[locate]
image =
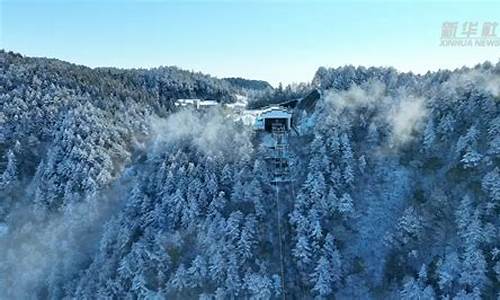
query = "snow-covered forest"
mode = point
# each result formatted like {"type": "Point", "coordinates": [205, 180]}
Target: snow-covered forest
{"type": "Point", "coordinates": [107, 191]}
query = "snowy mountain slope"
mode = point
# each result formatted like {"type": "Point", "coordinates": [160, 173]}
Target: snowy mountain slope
{"type": "Point", "coordinates": [395, 191]}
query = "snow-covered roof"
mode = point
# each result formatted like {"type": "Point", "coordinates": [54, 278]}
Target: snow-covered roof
{"type": "Point", "coordinates": [195, 102]}
{"type": "Point", "coordinates": [235, 105]}
{"type": "Point", "coordinates": [275, 112]}
{"type": "Point", "coordinates": [188, 100]}
{"type": "Point", "coordinates": [208, 103]}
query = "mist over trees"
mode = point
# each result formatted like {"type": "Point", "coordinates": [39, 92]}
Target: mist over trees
{"type": "Point", "coordinates": [108, 192]}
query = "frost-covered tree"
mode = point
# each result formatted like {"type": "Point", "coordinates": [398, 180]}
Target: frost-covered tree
{"type": "Point", "coordinates": [429, 134]}
{"type": "Point", "coordinates": [448, 273]}
{"type": "Point", "coordinates": [491, 185]}
{"type": "Point", "coordinates": [9, 184]}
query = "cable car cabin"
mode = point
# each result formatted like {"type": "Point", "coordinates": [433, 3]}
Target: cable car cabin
{"type": "Point", "coordinates": [272, 117]}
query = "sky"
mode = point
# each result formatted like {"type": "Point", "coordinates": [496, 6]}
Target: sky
{"type": "Point", "coordinates": [277, 41]}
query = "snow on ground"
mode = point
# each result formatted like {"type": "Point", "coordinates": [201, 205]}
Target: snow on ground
{"type": "Point", "coordinates": [240, 113]}
{"type": "Point", "coordinates": [237, 110]}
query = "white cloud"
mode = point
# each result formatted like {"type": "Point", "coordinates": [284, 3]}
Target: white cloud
{"type": "Point", "coordinates": [405, 118]}
{"type": "Point", "coordinates": [211, 132]}
{"type": "Point", "coordinates": [482, 79]}
{"type": "Point", "coordinates": [402, 112]}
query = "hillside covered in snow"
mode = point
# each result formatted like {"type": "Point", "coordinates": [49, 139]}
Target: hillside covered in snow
{"type": "Point", "coordinates": [110, 191]}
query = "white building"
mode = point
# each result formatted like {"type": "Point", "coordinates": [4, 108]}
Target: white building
{"type": "Point", "coordinates": [273, 115]}
{"type": "Point", "coordinates": [196, 103]}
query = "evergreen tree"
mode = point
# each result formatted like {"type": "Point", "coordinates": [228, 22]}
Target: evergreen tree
{"type": "Point", "coordinates": [322, 279]}
{"type": "Point", "coordinates": [429, 135]}
{"type": "Point", "coordinates": [9, 184]}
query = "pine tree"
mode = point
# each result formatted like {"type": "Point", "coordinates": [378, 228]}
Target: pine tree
{"type": "Point", "coordinates": [333, 257]}
{"type": "Point", "coordinates": [497, 270]}
{"type": "Point", "coordinates": [429, 134]}
{"type": "Point", "coordinates": [9, 184]}
{"type": "Point", "coordinates": [448, 271]}
{"type": "Point", "coordinates": [467, 145]}
{"type": "Point", "coordinates": [258, 286]}
{"type": "Point", "coordinates": [345, 206]}
{"type": "Point", "coordinates": [409, 229]}
{"type": "Point", "coordinates": [227, 178]}
{"type": "Point", "coordinates": [321, 278]}
{"type": "Point", "coordinates": [237, 194]}
{"type": "Point", "coordinates": [9, 176]}
{"type": "Point", "coordinates": [446, 126]}
{"type": "Point", "coordinates": [198, 272]}
{"type": "Point", "coordinates": [253, 193]}
{"type": "Point", "coordinates": [331, 202]}
{"type": "Point", "coordinates": [180, 280]}
{"type": "Point", "coordinates": [491, 185]}
{"type": "Point", "coordinates": [233, 280]}
{"type": "Point", "coordinates": [347, 160]}
{"type": "Point", "coordinates": [418, 289]}
{"type": "Point", "coordinates": [217, 204]}
{"type": "Point", "coordinates": [494, 137]}
{"type": "Point", "coordinates": [462, 215]}
{"type": "Point", "coordinates": [139, 287]}
{"type": "Point", "coordinates": [217, 267]}
{"type": "Point", "coordinates": [473, 273]}
{"type": "Point", "coordinates": [471, 158]}
{"type": "Point", "coordinates": [302, 251]}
